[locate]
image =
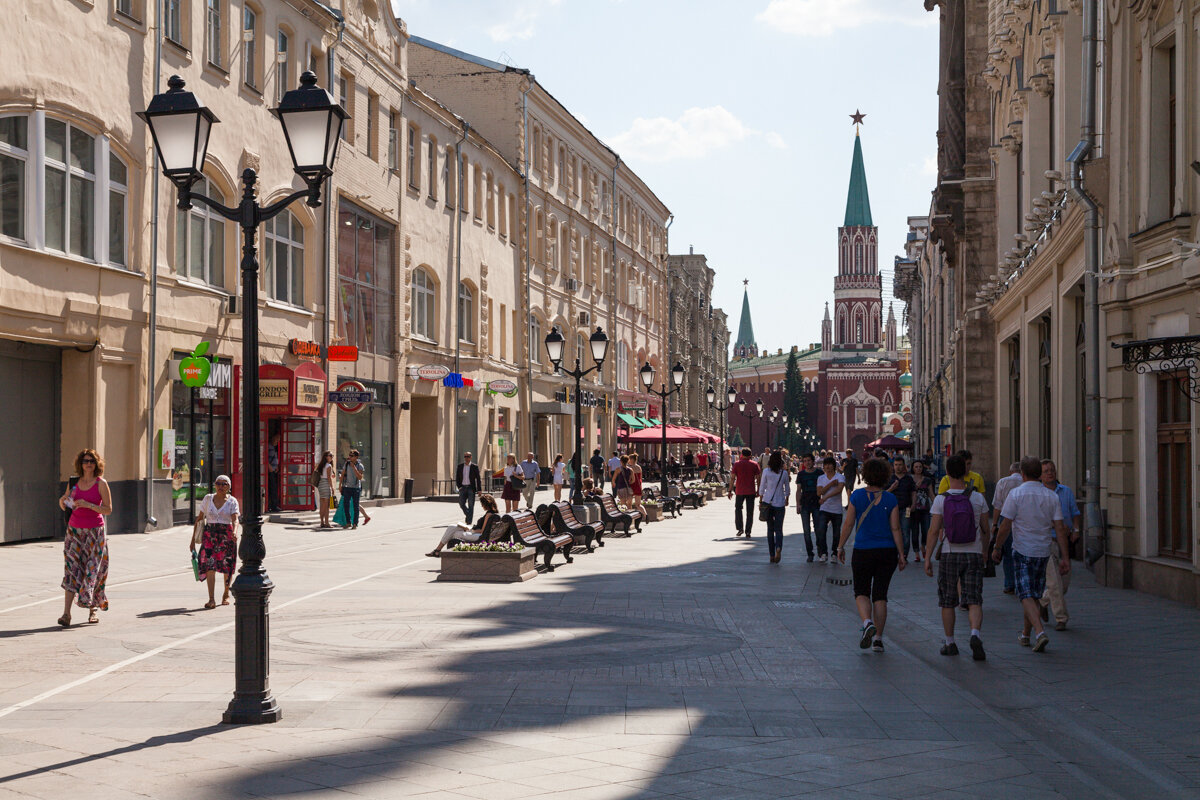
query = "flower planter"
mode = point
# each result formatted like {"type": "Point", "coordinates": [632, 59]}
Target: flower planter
{"type": "Point", "coordinates": [488, 567]}
{"type": "Point", "coordinates": [653, 513]}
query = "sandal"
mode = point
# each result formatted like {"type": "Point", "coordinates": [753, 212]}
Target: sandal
{"type": "Point", "coordinates": [93, 617]}
{"type": "Point", "coordinates": [434, 554]}
{"type": "Point", "coordinates": [225, 600]}
{"type": "Point", "coordinates": [64, 620]}
{"type": "Point", "coordinates": [210, 604]}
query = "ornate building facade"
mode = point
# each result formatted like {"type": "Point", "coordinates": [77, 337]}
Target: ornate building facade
{"type": "Point", "coordinates": [699, 340]}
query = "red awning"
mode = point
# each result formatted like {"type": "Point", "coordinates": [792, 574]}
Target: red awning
{"type": "Point", "coordinates": [891, 442]}
{"type": "Point", "coordinates": [676, 434]}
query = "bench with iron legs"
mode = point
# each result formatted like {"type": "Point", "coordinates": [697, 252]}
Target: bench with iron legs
{"type": "Point", "coordinates": [523, 527]}
{"type": "Point", "coordinates": [613, 516]}
{"type": "Point", "coordinates": [688, 497]}
{"type": "Point", "coordinates": [560, 518]}
{"type": "Point", "coordinates": [669, 505]}
{"type": "Point", "coordinates": [494, 530]}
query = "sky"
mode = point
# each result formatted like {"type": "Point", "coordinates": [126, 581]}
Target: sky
{"type": "Point", "coordinates": [736, 115]}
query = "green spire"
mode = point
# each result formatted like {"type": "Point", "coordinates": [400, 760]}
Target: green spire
{"type": "Point", "coordinates": [745, 337]}
{"type": "Point", "coordinates": [858, 203]}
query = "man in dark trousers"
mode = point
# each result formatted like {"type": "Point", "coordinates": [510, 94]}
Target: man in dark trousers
{"type": "Point", "coordinates": [466, 478]}
{"type": "Point", "coordinates": [597, 464]}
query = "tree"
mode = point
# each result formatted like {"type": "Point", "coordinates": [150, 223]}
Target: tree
{"type": "Point", "coordinates": [795, 403]}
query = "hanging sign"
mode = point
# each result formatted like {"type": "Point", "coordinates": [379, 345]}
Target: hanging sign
{"type": "Point", "coordinates": [310, 393]}
{"type": "Point", "coordinates": [194, 369]}
{"type": "Point", "coordinates": [453, 381]}
{"type": "Point", "coordinates": [432, 372]}
{"type": "Point", "coordinates": [166, 448]}
{"type": "Point", "coordinates": [351, 396]}
{"type": "Point", "coordinates": [503, 386]}
{"type": "Point", "coordinates": [341, 353]}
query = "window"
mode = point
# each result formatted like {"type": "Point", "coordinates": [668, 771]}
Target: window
{"type": "Point", "coordinates": [216, 53]}
{"type": "Point", "coordinates": [535, 340]}
{"type": "Point", "coordinates": [1163, 134]}
{"type": "Point", "coordinates": [344, 102]}
{"type": "Point", "coordinates": [282, 65]}
{"type": "Point", "coordinates": [283, 259]}
{"type": "Point", "coordinates": [622, 365]}
{"type": "Point", "coordinates": [411, 163]}
{"type": "Point", "coordinates": [431, 167]}
{"type": "Point", "coordinates": [249, 47]}
{"type": "Point", "coordinates": [366, 247]}
{"type": "Point", "coordinates": [1046, 423]}
{"type": "Point", "coordinates": [118, 202]}
{"type": "Point", "coordinates": [14, 155]}
{"type": "Point", "coordinates": [466, 313]}
{"type": "Point", "coordinates": [200, 239]}
{"type": "Point", "coordinates": [448, 178]}
{"type": "Point", "coordinates": [173, 20]}
{"type": "Point", "coordinates": [1174, 467]}
{"type": "Point", "coordinates": [393, 141]}
{"type": "Point", "coordinates": [70, 189]}
{"type": "Point", "coordinates": [126, 7]}
{"type": "Point", "coordinates": [424, 316]}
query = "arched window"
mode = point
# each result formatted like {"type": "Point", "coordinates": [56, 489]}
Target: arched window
{"type": "Point", "coordinates": [858, 329]}
{"type": "Point", "coordinates": [200, 238]}
{"type": "Point", "coordinates": [424, 314]}
{"type": "Point", "coordinates": [466, 313]}
{"type": "Point", "coordinates": [858, 257]}
{"type": "Point", "coordinates": [283, 259]}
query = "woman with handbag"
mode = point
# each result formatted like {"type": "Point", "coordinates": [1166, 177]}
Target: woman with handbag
{"type": "Point", "coordinates": [514, 482]}
{"type": "Point", "coordinates": [85, 546]}
{"type": "Point", "coordinates": [323, 477]}
{"type": "Point", "coordinates": [774, 489]}
{"type": "Point", "coordinates": [216, 534]}
{"type": "Point", "coordinates": [873, 518]}
{"type": "Point", "coordinates": [922, 501]}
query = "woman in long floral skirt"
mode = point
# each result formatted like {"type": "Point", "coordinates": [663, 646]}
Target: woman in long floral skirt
{"type": "Point", "coordinates": [85, 549]}
{"type": "Point", "coordinates": [216, 533]}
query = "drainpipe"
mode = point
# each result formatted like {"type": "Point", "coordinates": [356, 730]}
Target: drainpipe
{"type": "Point", "coordinates": [528, 248]}
{"type": "Point", "coordinates": [1096, 543]}
{"type": "Point", "coordinates": [457, 281]}
{"type": "Point", "coordinates": [670, 300]}
{"type": "Point", "coordinates": [152, 267]}
{"type": "Point", "coordinates": [327, 216]}
{"type": "Point", "coordinates": [612, 299]}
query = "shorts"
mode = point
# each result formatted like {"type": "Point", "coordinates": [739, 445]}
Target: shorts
{"type": "Point", "coordinates": [1029, 575]}
{"type": "Point", "coordinates": [873, 570]}
{"type": "Point", "coordinates": [956, 568]}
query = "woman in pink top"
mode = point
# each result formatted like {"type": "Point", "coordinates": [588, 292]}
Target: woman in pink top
{"type": "Point", "coordinates": [85, 549]}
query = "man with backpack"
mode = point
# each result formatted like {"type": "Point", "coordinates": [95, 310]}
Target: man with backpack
{"type": "Point", "coordinates": [961, 514]}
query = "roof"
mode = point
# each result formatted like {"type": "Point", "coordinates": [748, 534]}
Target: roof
{"type": "Point", "coordinates": [745, 337]}
{"type": "Point", "coordinates": [858, 203]}
{"type": "Point", "coordinates": [483, 62]}
{"type": "Point", "coordinates": [774, 359]}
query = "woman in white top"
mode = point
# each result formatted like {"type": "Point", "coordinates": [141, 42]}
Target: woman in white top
{"type": "Point", "coordinates": [216, 533]}
{"type": "Point", "coordinates": [560, 475]}
{"type": "Point", "coordinates": [512, 497]}
{"type": "Point", "coordinates": [325, 486]}
{"type": "Point", "coordinates": [773, 490]}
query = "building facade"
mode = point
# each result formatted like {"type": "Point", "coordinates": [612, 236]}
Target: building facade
{"type": "Point", "coordinates": [699, 340]}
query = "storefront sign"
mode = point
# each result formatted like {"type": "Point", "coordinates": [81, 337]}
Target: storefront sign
{"type": "Point", "coordinates": [206, 393]}
{"type": "Point", "coordinates": [453, 381]}
{"type": "Point", "coordinates": [504, 386]}
{"type": "Point", "coordinates": [291, 392]}
{"type": "Point", "coordinates": [632, 407]}
{"type": "Point", "coordinates": [587, 399]}
{"type": "Point", "coordinates": [272, 392]}
{"type": "Point", "coordinates": [302, 349]}
{"type": "Point", "coordinates": [341, 353]}
{"type": "Point", "coordinates": [166, 448]}
{"type": "Point", "coordinates": [351, 396]}
{"type": "Point", "coordinates": [310, 393]}
{"type": "Point", "coordinates": [220, 376]}
{"type": "Point", "coordinates": [432, 372]}
{"type": "Point", "coordinates": [194, 369]}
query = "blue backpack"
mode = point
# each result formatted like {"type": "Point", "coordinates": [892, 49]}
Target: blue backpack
{"type": "Point", "coordinates": [958, 517]}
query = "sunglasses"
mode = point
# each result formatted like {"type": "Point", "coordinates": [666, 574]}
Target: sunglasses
{"type": "Point", "coordinates": [87, 461]}
{"type": "Point", "coordinates": [222, 483]}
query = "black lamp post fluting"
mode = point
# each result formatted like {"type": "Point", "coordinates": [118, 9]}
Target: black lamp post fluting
{"type": "Point", "coordinates": [312, 126]}
{"type": "Point", "coordinates": [554, 349]}
{"type": "Point", "coordinates": [731, 397]}
{"type": "Point", "coordinates": [647, 375]}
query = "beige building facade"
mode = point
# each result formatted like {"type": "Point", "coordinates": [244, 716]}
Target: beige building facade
{"type": "Point", "coordinates": [699, 341]}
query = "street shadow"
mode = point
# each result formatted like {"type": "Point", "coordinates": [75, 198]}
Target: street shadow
{"type": "Point", "coordinates": [184, 737]}
{"type": "Point", "coordinates": [12, 634]}
{"type": "Point", "coordinates": [168, 612]}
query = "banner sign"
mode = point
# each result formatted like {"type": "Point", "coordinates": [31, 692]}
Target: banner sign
{"type": "Point", "coordinates": [341, 353]}
{"type": "Point", "coordinates": [166, 448]}
{"type": "Point", "coordinates": [194, 369]}
{"type": "Point", "coordinates": [504, 386]}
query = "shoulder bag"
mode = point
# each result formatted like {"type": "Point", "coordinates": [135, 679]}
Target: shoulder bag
{"type": "Point", "coordinates": [858, 521]}
{"type": "Point", "coordinates": [516, 480]}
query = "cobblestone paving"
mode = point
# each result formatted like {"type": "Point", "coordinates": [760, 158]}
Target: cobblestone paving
{"type": "Point", "coordinates": [677, 663]}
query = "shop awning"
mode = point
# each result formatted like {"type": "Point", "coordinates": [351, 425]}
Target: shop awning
{"type": "Point", "coordinates": [634, 423]}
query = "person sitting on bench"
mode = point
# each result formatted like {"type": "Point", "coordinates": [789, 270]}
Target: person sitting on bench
{"type": "Point", "coordinates": [459, 531]}
{"type": "Point", "coordinates": [590, 490]}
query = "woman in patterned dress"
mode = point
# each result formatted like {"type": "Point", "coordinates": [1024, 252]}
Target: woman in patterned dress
{"type": "Point", "coordinates": [85, 549]}
{"type": "Point", "coordinates": [218, 514]}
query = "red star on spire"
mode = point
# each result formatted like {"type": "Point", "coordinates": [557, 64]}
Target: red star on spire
{"type": "Point", "coordinates": [857, 117]}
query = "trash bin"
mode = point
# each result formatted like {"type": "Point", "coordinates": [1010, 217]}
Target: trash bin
{"type": "Point", "coordinates": [408, 490]}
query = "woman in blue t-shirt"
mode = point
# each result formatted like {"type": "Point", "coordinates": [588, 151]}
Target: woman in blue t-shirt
{"type": "Point", "coordinates": [877, 549]}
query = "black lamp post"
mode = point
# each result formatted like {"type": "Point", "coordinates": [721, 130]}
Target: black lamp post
{"type": "Point", "coordinates": [312, 125]}
{"type": "Point", "coordinates": [750, 420]}
{"type": "Point", "coordinates": [773, 421]}
{"type": "Point", "coordinates": [647, 375]}
{"type": "Point", "coordinates": [554, 348]}
{"type": "Point", "coordinates": [731, 397]}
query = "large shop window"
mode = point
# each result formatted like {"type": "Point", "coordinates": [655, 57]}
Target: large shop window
{"type": "Point", "coordinates": [283, 257]}
{"type": "Point", "coordinates": [365, 296]}
{"type": "Point", "coordinates": [424, 296]}
{"type": "Point", "coordinates": [200, 238]}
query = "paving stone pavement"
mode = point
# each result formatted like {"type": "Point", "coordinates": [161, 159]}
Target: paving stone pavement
{"type": "Point", "coordinates": [676, 663]}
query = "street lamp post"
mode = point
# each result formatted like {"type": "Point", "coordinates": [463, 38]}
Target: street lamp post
{"type": "Point", "coordinates": [647, 375]}
{"type": "Point", "coordinates": [731, 397]}
{"type": "Point", "coordinates": [312, 126]}
{"type": "Point", "coordinates": [554, 348]}
{"type": "Point", "coordinates": [750, 421]}
{"type": "Point", "coordinates": [773, 420]}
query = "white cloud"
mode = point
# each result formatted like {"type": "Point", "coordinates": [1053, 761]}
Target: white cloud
{"type": "Point", "coordinates": [823, 17]}
{"type": "Point", "coordinates": [694, 134]}
{"type": "Point", "coordinates": [523, 22]}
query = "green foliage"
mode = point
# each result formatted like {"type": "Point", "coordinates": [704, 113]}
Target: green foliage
{"type": "Point", "coordinates": [795, 403]}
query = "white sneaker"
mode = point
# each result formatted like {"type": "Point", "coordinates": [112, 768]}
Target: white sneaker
{"type": "Point", "coordinates": [823, 559]}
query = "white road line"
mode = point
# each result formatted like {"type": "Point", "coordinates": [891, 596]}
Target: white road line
{"type": "Point", "coordinates": [185, 571]}
{"type": "Point", "coordinates": [172, 645]}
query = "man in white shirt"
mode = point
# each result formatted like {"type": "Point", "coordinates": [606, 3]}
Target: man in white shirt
{"type": "Point", "coordinates": [829, 489]}
{"type": "Point", "coordinates": [961, 564]}
{"type": "Point", "coordinates": [1033, 515]}
{"type": "Point", "coordinates": [1003, 486]}
{"type": "Point", "coordinates": [614, 464]}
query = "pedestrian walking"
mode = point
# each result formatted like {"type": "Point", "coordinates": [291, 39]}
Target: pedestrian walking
{"type": "Point", "coordinates": [513, 483]}
{"type": "Point", "coordinates": [1054, 599]}
{"type": "Point", "coordinates": [961, 515]}
{"type": "Point", "coordinates": [215, 532]}
{"type": "Point", "coordinates": [973, 478]}
{"type": "Point", "coordinates": [351, 478]}
{"type": "Point", "coordinates": [596, 462]}
{"type": "Point", "coordinates": [558, 476]}
{"type": "Point", "coordinates": [774, 490]}
{"type": "Point", "coordinates": [614, 463]}
{"type": "Point", "coordinates": [465, 531]}
{"type": "Point", "coordinates": [1032, 514]}
{"type": "Point", "coordinates": [873, 519]}
{"type": "Point", "coordinates": [922, 501]}
{"type": "Point", "coordinates": [323, 473]}
{"type": "Point", "coordinates": [743, 485]}
{"type": "Point", "coordinates": [635, 483]}
{"type": "Point", "coordinates": [702, 464]}
{"type": "Point", "coordinates": [622, 481]}
{"type": "Point", "coordinates": [829, 494]}
{"type": "Point", "coordinates": [1003, 486]}
{"type": "Point", "coordinates": [808, 506]}
{"type": "Point", "coordinates": [466, 478]}
{"type": "Point", "coordinates": [85, 547]}
{"type": "Point", "coordinates": [531, 470]}
{"type": "Point", "coordinates": [849, 473]}
{"type": "Point", "coordinates": [902, 486]}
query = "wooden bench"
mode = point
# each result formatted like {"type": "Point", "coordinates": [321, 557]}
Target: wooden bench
{"type": "Point", "coordinates": [688, 497]}
{"type": "Point", "coordinates": [523, 527]}
{"type": "Point", "coordinates": [612, 516]}
{"type": "Point", "coordinates": [669, 505]}
{"type": "Point", "coordinates": [560, 518]}
{"type": "Point", "coordinates": [494, 531]}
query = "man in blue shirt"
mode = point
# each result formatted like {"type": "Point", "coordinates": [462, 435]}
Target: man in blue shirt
{"type": "Point", "coordinates": [1054, 598]}
{"type": "Point", "coordinates": [533, 473]}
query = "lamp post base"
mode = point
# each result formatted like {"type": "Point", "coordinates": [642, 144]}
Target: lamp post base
{"type": "Point", "coordinates": [252, 702]}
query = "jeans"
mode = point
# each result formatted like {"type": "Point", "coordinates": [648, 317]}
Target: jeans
{"type": "Point", "coordinates": [775, 528]}
{"type": "Point", "coordinates": [919, 530]}
{"type": "Point", "coordinates": [748, 499]}
{"type": "Point", "coordinates": [273, 485]}
{"type": "Point", "coordinates": [824, 520]}
{"type": "Point", "coordinates": [466, 501]}
{"type": "Point", "coordinates": [352, 506]}
{"type": "Point", "coordinates": [811, 518]}
{"type": "Point", "coordinates": [1010, 579]}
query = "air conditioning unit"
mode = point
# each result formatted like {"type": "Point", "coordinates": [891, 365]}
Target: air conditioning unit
{"type": "Point", "coordinates": [233, 306]}
{"type": "Point", "coordinates": [585, 318]}
{"type": "Point", "coordinates": [572, 285]}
